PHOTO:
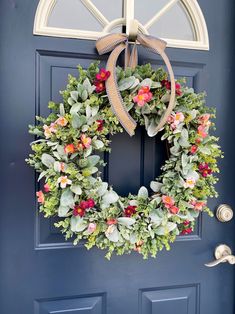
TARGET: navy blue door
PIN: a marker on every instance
(40, 273)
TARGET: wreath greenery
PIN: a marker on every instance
(67, 157)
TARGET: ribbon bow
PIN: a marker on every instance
(117, 43)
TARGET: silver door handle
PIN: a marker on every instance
(223, 254)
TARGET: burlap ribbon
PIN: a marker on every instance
(117, 43)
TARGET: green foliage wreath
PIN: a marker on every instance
(66, 155)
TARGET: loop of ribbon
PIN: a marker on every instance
(117, 43)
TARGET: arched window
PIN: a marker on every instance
(180, 22)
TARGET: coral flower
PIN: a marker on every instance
(86, 141)
(129, 211)
(174, 210)
(64, 181)
(78, 211)
(62, 121)
(198, 205)
(47, 188)
(190, 183)
(193, 149)
(99, 86)
(111, 221)
(202, 131)
(103, 75)
(69, 149)
(40, 197)
(144, 95)
(91, 227)
(175, 119)
(168, 201)
(100, 124)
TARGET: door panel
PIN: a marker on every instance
(42, 273)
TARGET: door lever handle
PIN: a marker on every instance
(223, 254)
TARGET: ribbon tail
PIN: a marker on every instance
(134, 57)
(114, 95)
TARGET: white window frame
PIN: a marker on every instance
(192, 7)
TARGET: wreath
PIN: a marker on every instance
(67, 157)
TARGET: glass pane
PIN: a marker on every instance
(151, 7)
(174, 23)
(73, 14)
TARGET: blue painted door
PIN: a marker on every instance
(40, 273)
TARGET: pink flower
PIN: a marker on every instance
(204, 119)
(193, 149)
(174, 210)
(64, 181)
(49, 130)
(190, 182)
(111, 221)
(47, 188)
(202, 131)
(175, 119)
(62, 166)
(86, 141)
(144, 95)
(40, 197)
(186, 222)
(204, 169)
(103, 75)
(138, 246)
(91, 227)
(62, 121)
(99, 86)
(168, 201)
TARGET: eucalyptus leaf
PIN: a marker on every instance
(112, 233)
(143, 192)
(77, 121)
(155, 186)
(76, 189)
(47, 160)
(110, 197)
(126, 221)
(75, 108)
(63, 211)
(78, 224)
(146, 82)
(126, 83)
(66, 198)
(93, 160)
(98, 144)
(102, 188)
(62, 111)
(74, 95)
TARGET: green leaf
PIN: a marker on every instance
(74, 95)
(76, 189)
(63, 211)
(126, 221)
(155, 186)
(77, 121)
(62, 112)
(84, 95)
(93, 160)
(75, 108)
(78, 224)
(87, 85)
(143, 192)
(47, 160)
(146, 82)
(183, 141)
(126, 83)
(110, 197)
(113, 234)
(102, 188)
(98, 144)
(66, 198)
